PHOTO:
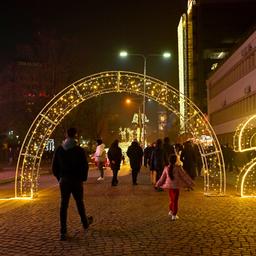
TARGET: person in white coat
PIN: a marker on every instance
(100, 157)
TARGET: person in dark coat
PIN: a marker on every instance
(147, 154)
(157, 160)
(188, 157)
(70, 167)
(168, 150)
(135, 154)
(115, 157)
(199, 163)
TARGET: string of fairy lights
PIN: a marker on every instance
(244, 140)
(27, 170)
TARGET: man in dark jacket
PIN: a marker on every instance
(157, 161)
(147, 154)
(188, 158)
(70, 167)
(135, 154)
(168, 150)
(115, 158)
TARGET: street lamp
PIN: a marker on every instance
(165, 55)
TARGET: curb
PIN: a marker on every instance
(5, 181)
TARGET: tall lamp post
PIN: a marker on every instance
(165, 55)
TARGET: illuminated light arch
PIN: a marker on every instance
(246, 183)
(27, 170)
(244, 140)
(244, 135)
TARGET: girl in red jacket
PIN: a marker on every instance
(173, 178)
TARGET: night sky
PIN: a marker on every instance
(102, 29)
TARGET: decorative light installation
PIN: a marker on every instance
(245, 140)
(27, 170)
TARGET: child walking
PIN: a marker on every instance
(172, 179)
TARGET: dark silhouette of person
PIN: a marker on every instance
(168, 150)
(157, 161)
(199, 163)
(135, 154)
(188, 158)
(147, 154)
(115, 157)
(70, 167)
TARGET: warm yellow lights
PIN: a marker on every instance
(244, 140)
(243, 136)
(17, 198)
(128, 101)
(27, 170)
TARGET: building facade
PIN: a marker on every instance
(232, 90)
(207, 33)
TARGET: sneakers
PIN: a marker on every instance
(100, 178)
(175, 217)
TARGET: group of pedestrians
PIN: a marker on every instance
(70, 167)
(115, 157)
(172, 167)
(157, 156)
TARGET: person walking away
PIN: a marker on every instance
(135, 154)
(173, 179)
(151, 167)
(188, 158)
(199, 163)
(70, 167)
(147, 154)
(100, 157)
(157, 161)
(115, 158)
(168, 150)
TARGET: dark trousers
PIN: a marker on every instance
(114, 179)
(174, 198)
(134, 175)
(68, 187)
(100, 165)
(158, 173)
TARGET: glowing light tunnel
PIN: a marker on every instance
(245, 140)
(27, 170)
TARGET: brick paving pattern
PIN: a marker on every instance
(129, 220)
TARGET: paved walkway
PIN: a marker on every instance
(129, 220)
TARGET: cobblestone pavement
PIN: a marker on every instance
(129, 220)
